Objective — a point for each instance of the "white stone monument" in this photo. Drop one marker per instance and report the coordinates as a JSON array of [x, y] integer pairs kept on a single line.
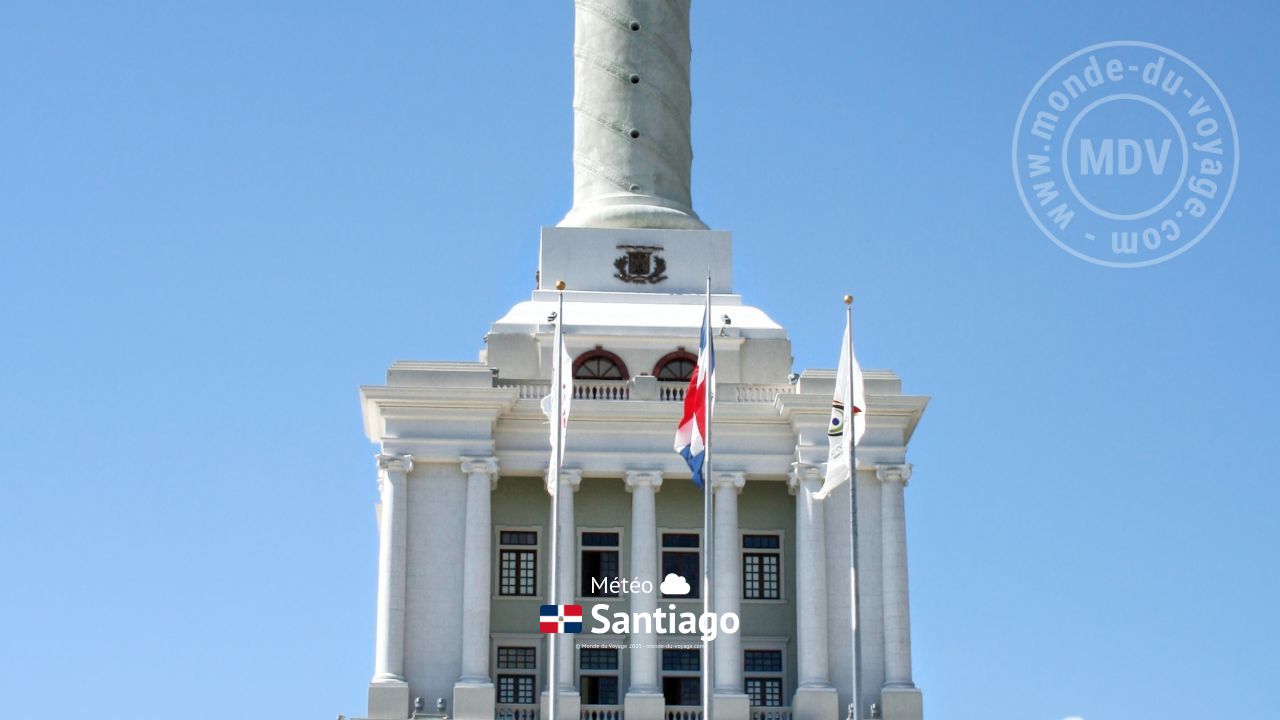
[[463, 457]]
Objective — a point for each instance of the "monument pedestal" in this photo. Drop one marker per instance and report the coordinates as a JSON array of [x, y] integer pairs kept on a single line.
[[644, 706], [730, 706], [906, 703], [815, 703], [473, 701], [388, 700], [570, 706]]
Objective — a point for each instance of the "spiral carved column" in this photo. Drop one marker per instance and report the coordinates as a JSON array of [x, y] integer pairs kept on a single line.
[[631, 146]]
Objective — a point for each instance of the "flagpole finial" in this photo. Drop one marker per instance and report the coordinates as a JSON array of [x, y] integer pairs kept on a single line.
[[559, 284], [848, 299]]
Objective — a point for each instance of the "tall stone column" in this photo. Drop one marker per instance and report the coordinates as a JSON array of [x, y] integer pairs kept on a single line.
[[473, 694], [900, 700], [631, 146], [731, 702], [644, 699], [566, 593], [815, 696], [388, 692]]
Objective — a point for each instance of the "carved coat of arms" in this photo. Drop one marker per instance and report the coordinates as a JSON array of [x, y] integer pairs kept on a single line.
[[640, 264]]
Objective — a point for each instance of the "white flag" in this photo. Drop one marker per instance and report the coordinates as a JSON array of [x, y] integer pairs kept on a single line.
[[561, 369], [849, 401]]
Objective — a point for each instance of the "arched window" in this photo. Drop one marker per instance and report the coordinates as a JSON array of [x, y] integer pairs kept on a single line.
[[678, 365], [599, 364]]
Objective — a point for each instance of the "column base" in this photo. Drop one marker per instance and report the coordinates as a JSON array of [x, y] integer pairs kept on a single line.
[[644, 706], [730, 706], [816, 703], [570, 706], [388, 700], [473, 701], [901, 703]]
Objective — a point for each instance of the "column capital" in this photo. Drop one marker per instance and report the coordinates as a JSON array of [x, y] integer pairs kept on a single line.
[[732, 479], [638, 478], [802, 473], [394, 463], [893, 473], [487, 466], [568, 476]]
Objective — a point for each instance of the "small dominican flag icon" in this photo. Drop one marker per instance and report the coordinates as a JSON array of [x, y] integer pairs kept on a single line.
[[560, 619]]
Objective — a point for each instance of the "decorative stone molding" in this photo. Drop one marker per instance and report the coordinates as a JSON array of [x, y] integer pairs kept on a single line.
[[801, 473], [635, 478], [485, 465], [568, 476], [735, 479], [394, 463], [894, 473]]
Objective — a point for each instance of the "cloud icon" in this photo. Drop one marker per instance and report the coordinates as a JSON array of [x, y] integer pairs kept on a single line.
[[674, 584]]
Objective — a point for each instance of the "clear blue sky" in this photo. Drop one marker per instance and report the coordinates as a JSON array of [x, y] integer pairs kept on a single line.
[[218, 219]]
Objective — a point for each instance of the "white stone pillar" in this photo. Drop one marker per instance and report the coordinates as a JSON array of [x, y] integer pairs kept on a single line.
[[473, 695], [567, 565], [644, 699], [388, 664], [643, 485], [566, 593], [388, 691], [811, 579], [897, 618], [815, 696], [731, 702]]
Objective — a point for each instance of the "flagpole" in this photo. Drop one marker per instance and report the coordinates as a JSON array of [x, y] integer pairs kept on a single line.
[[708, 532], [855, 707], [553, 639]]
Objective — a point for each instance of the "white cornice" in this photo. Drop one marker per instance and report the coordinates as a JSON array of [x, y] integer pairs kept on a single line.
[[381, 403]]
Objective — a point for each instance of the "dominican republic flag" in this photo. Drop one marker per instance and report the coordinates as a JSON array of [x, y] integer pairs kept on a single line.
[[848, 417], [560, 619], [691, 435]]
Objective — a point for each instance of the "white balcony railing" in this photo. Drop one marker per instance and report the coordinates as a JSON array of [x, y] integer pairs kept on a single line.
[[516, 712], [527, 389], [672, 391], [667, 391], [684, 713], [761, 393], [601, 390], [770, 713], [601, 712]]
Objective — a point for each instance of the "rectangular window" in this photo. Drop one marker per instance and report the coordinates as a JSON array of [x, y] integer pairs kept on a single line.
[[762, 661], [680, 556], [517, 658], [518, 562], [682, 690], [517, 688], [518, 537], [761, 563], [598, 658], [682, 660], [598, 688], [765, 692], [763, 677], [681, 684], [600, 563]]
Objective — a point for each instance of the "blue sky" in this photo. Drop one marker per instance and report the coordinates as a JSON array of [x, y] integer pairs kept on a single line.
[[218, 220]]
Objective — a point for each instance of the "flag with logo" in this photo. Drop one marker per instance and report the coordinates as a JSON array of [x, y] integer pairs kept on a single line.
[[848, 417], [560, 619], [691, 434], [561, 375]]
